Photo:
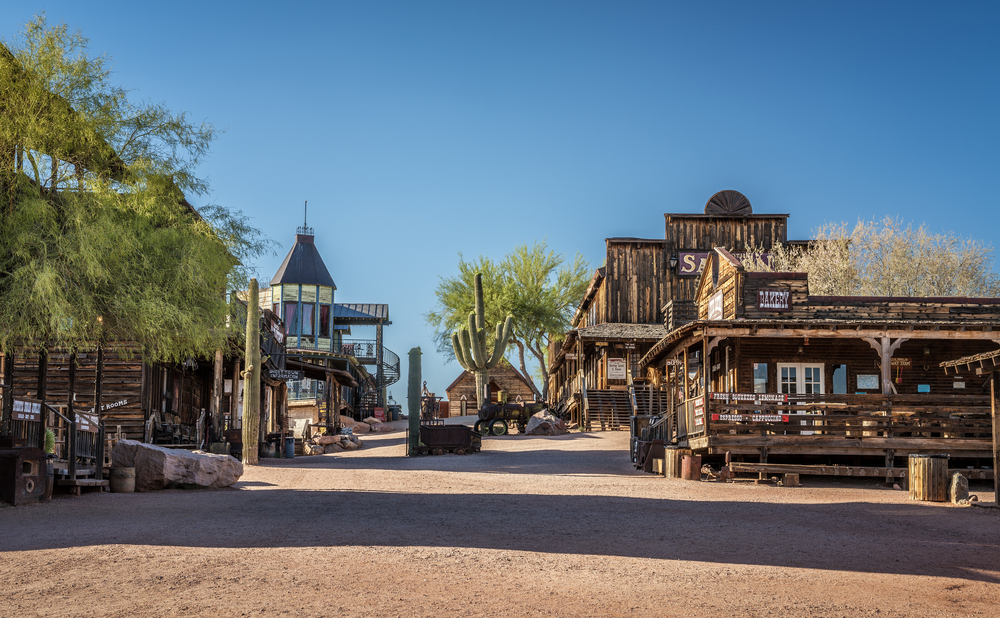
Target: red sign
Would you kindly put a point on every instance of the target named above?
(774, 299)
(380, 414)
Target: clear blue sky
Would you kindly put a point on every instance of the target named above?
(418, 130)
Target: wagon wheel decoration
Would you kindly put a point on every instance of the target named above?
(728, 202)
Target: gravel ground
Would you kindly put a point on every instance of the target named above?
(531, 526)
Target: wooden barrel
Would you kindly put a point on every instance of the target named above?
(928, 478)
(672, 463)
(122, 480)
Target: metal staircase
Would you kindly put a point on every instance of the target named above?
(366, 351)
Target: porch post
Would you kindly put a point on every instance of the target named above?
(215, 405)
(886, 348)
(7, 402)
(996, 431)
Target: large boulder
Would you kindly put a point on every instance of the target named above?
(157, 467)
(325, 440)
(959, 489)
(545, 423)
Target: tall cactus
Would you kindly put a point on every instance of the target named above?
(251, 379)
(413, 400)
(470, 344)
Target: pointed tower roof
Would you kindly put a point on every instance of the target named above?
(303, 264)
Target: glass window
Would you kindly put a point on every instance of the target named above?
(324, 320)
(760, 377)
(789, 380)
(307, 320)
(840, 379)
(289, 316)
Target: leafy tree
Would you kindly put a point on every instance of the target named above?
(532, 283)
(98, 242)
(887, 258)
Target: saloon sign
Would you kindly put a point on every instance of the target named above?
(773, 299)
(691, 263)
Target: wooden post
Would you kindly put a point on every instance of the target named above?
(234, 396)
(43, 370)
(996, 437)
(7, 402)
(215, 405)
(97, 412)
(71, 415)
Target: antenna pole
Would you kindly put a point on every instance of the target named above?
(305, 219)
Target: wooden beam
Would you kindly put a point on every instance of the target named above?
(895, 333)
(996, 433)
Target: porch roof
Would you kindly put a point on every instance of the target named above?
(987, 330)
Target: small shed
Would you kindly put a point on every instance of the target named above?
(504, 378)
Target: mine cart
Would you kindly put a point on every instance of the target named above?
(438, 438)
(496, 419)
(22, 475)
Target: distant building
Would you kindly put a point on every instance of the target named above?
(505, 380)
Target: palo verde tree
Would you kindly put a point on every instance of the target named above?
(99, 242)
(887, 258)
(533, 283)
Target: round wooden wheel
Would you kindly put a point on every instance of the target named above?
(437, 451)
(498, 427)
(459, 451)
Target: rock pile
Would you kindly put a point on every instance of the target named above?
(319, 445)
(545, 423)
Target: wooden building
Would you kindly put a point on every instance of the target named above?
(770, 372)
(646, 288)
(505, 382)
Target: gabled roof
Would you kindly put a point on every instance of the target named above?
(303, 265)
(517, 374)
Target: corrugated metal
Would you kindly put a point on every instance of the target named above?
(347, 312)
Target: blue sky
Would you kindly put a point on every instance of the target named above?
(421, 130)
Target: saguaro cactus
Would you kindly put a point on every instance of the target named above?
(251, 379)
(470, 344)
(413, 400)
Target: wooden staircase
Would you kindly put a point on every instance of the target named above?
(607, 409)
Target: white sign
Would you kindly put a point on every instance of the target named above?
(715, 306)
(616, 368)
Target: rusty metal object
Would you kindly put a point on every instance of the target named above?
(22, 475)
(438, 439)
(516, 413)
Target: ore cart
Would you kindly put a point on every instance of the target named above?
(496, 419)
(438, 438)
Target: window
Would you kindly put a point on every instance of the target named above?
(307, 320)
(840, 379)
(290, 318)
(324, 321)
(760, 377)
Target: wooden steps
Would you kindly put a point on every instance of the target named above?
(607, 409)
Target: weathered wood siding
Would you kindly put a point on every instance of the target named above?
(504, 376)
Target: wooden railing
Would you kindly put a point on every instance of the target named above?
(888, 416)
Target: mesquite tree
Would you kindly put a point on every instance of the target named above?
(251, 379)
(470, 344)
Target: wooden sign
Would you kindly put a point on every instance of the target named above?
(115, 404)
(285, 374)
(675, 362)
(901, 362)
(750, 418)
(570, 356)
(773, 299)
(715, 304)
(690, 263)
(616, 368)
(87, 422)
(27, 411)
(750, 397)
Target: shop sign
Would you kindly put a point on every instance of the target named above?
(86, 422)
(115, 404)
(570, 356)
(616, 368)
(27, 411)
(901, 362)
(773, 299)
(751, 418)
(751, 397)
(675, 362)
(868, 382)
(285, 374)
(715, 306)
(690, 263)
(279, 336)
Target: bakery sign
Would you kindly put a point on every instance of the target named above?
(773, 299)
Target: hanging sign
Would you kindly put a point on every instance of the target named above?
(285, 374)
(901, 362)
(616, 368)
(27, 411)
(773, 299)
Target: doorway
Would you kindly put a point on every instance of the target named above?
(802, 379)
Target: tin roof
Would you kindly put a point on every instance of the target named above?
(362, 313)
(303, 265)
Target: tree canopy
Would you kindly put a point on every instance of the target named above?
(886, 258)
(98, 241)
(532, 283)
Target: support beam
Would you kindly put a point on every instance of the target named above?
(215, 405)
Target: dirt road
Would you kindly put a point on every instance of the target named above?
(544, 526)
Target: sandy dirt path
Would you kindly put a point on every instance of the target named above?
(531, 526)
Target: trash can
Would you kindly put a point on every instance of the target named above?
(290, 447)
(928, 477)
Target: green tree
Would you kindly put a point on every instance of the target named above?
(532, 283)
(887, 258)
(98, 241)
